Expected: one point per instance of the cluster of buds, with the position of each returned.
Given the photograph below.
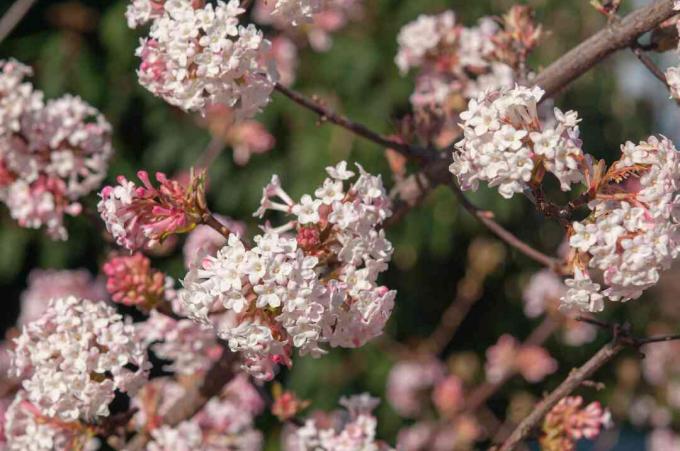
(506, 144)
(327, 432)
(631, 234)
(132, 281)
(508, 356)
(457, 63)
(198, 55)
(317, 286)
(569, 421)
(51, 154)
(75, 356)
(141, 216)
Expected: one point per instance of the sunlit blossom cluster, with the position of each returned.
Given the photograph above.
(197, 55)
(308, 282)
(505, 142)
(569, 421)
(75, 356)
(353, 431)
(51, 153)
(631, 235)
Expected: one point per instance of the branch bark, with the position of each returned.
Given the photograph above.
(13, 16)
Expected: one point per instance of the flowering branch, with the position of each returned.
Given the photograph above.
(622, 339)
(325, 114)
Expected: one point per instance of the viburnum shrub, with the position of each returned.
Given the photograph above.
(162, 353)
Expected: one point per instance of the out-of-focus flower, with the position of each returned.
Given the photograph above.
(569, 422)
(409, 383)
(508, 356)
(47, 284)
(286, 404)
(663, 440)
(448, 396)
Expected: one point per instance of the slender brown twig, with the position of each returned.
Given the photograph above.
(13, 16)
(325, 114)
(210, 220)
(650, 65)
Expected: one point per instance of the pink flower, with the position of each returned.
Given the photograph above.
(248, 138)
(569, 422)
(204, 241)
(139, 216)
(132, 281)
(534, 363)
(508, 356)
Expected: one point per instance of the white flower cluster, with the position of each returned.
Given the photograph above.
(75, 356)
(196, 56)
(504, 142)
(448, 54)
(356, 432)
(632, 233)
(51, 154)
(318, 287)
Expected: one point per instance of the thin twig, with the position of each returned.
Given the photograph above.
(325, 114)
(13, 16)
(485, 218)
(211, 221)
(650, 65)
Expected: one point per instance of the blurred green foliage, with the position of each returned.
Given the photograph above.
(84, 47)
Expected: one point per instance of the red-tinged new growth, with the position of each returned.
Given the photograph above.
(132, 281)
(569, 422)
(140, 216)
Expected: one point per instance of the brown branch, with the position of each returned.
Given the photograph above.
(358, 129)
(485, 218)
(571, 383)
(211, 221)
(616, 36)
(13, 16)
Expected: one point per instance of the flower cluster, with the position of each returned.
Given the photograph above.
(506, 144)
(225, 422)
(355, 432)
(198, 55)
(204, 241)
(457, 63)
(569, 422)
(75, 356)
(51, 154)
(508, 356)
(631, 234)
(47, 284)
(132, 281)
(141, 216)
(304, 290)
